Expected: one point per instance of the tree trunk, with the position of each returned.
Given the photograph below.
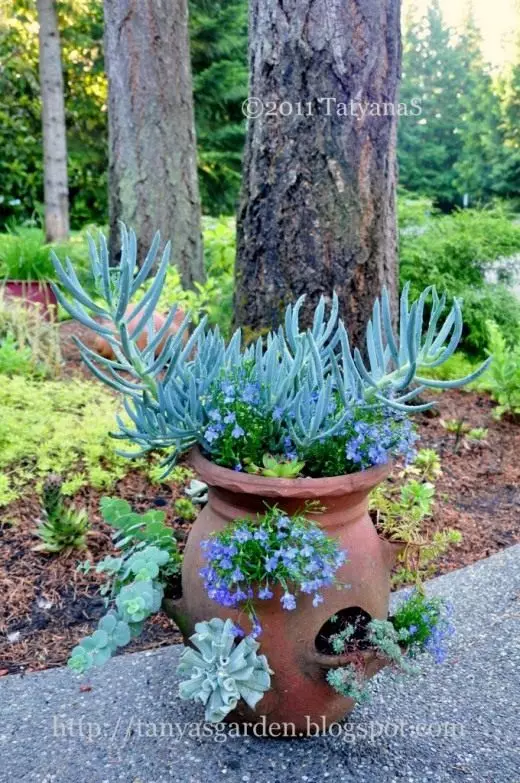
(56, 189)
(317, 211)
(152, 149)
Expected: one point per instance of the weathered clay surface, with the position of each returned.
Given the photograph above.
(300, 691)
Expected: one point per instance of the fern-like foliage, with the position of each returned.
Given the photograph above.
(168, 390)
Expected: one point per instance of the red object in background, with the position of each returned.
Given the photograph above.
(34, 292)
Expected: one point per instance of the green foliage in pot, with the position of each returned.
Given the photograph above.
(420, 624)
(294, 390)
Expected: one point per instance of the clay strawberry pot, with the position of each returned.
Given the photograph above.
(300, 694)
(37, 293)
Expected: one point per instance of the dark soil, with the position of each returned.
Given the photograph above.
(48, 605)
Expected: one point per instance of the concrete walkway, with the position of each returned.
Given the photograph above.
(456, 722)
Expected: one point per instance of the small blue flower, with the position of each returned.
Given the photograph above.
(317, 600)
(264, 593)
(212, 433)
(229, 391)
(229, 418)
(237, 431)
(250, 393)
(288, 601)
(277, 413)
(260, 535)
(242, 535)
(238, 467)
(215, 415)
(257, 629)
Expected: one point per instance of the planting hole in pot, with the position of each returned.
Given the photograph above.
(354, 616)
(173, 588)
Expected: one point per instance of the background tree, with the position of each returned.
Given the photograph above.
(317, 211)
(152, 150)
(431, 144)
(480, 119)
(220, 75)
(507, 171)
(56, 190)
(21, 162)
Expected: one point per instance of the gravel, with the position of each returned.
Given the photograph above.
(456, 722)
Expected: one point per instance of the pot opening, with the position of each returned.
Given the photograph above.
(353, 616)
(173, 589)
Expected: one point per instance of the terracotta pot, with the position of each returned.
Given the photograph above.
(300, 693)
(35, 292)
(103, 347)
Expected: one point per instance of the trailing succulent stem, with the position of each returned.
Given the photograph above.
(136, 580)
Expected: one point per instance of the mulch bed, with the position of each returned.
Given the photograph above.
(48, 605)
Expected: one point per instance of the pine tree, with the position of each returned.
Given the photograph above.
(507, 171)
(218, 32)
(430, 145)
(481, 118)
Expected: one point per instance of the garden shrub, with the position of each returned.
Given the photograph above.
(29, 344)
(58, 427)
(502, 379)
(414, 212)
(214, 297)
(454, 253)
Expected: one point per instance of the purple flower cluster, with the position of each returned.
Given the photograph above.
(248, 558)
(440, 632)
(374, 443)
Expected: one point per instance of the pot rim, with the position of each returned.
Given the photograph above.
(308, 488)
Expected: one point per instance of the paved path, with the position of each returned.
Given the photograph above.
(457, 722)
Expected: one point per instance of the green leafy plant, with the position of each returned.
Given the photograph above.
(400, 508)
(420, 624)
(503, 377)
(427, 464)
(249, 558)
(464, 432)
(61, 427)
(185, 509)
(478, 434)
(136, 580)
(454, 253)
(134, 531)
(23, 256)
(349, 681)
(302, 385)
(29, 344)
(276, 467)
(63, 529)
(15, 360)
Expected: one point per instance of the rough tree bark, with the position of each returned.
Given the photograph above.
(56, 189)
(317, 210)
(152, 149)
